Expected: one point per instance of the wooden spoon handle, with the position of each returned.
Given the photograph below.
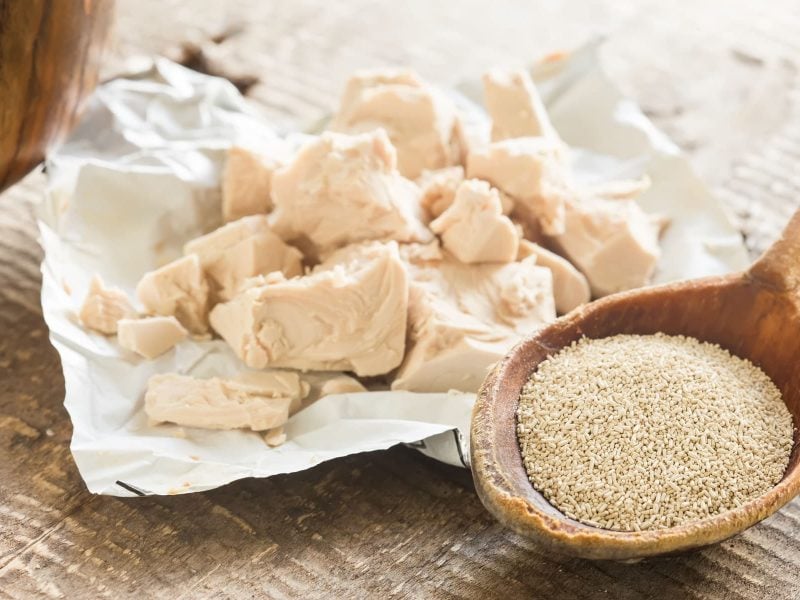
(779, 266)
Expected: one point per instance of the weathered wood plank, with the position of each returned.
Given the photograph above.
(720, 77)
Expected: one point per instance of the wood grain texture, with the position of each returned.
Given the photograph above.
(49, 61)
(720, 77)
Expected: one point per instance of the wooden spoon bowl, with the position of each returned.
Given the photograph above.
(754, 315)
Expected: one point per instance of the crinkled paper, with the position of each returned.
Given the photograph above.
(140, 176)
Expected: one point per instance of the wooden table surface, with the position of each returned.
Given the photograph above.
(721, 77)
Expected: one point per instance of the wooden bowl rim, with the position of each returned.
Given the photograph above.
(507, 501)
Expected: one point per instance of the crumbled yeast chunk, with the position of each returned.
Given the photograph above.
(365, 79)
(570, 287)
(474, 229)
(242, 249)
(275, 437)
(439, 189)
(150, 337)
(464, 318)
(613, 242)
(277, 383)
(217, 403)
(421, 121)
(246, 183)
(341, 384)
(177, 289)
(349, 314)
(532, 172)
(514, 106)
(422, 253)
(341, 189)
(104, 307)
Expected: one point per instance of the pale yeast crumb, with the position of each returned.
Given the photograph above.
(349, 314)
(150, 337)
(613, 242)
(464, 318)
(570, 286)
(474, 229)
(515, 107)
(243, 249)
(342, 189)
(532, 172)
(104, 307)
(217, 403)
(177, 289)
(246, 184)
(420, 120)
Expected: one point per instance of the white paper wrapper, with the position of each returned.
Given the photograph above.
(139, 177)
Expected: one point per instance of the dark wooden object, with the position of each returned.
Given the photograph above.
(49, 63)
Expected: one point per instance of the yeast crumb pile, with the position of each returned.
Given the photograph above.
(646, 432)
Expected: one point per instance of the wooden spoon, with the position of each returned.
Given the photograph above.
(755, 315)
